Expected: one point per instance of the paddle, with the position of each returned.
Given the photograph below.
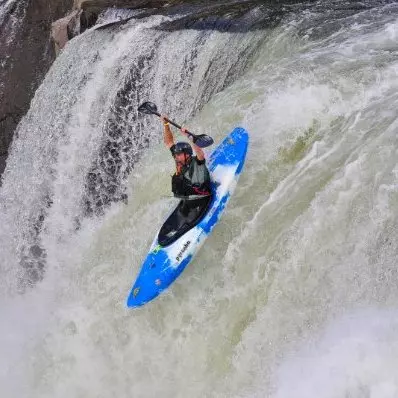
(201, 140)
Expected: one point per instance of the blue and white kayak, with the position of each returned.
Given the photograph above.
(166, 261)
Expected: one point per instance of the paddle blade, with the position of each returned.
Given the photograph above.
(202, 140)
(149, 108)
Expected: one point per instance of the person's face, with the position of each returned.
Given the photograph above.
(180, 158)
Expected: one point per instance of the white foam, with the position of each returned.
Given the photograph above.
(305, 241)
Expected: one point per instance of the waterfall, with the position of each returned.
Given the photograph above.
(295, 292)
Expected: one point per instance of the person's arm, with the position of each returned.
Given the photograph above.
(200, 155)
(167, 134)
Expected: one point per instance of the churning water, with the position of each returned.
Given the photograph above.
(294, 294)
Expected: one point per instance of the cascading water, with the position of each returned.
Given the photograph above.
(78, 149)
(294, 294)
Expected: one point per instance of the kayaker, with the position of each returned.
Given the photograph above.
(191, 181)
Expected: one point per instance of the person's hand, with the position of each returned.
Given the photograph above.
(186, 133)
(164, 119)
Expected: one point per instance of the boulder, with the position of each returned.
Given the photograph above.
(64, 29)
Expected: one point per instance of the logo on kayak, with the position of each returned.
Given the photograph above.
(183, 250)
(136, 291)
(157, 249)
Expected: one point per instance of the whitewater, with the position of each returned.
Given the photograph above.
(295, 292)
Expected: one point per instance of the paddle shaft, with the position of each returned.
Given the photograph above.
(202, 140)
(174, 124)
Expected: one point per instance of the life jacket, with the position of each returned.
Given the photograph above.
(192, 182)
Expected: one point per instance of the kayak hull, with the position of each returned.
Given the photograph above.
(163, 265)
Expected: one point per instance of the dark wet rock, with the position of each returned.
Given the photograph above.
(26, 54)
(89, 10)
(230, 16)
(98, 5)
(200, 14)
